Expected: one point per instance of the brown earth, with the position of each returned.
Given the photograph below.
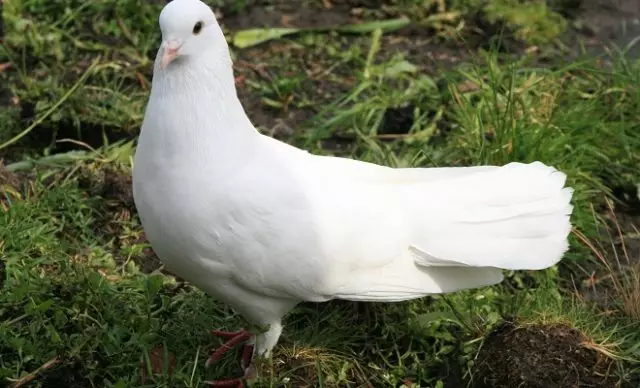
(541, 356)
(8, 178)
(618, 243)
(9, 183)
(114, 187)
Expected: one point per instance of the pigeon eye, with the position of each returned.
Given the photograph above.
(197, 28)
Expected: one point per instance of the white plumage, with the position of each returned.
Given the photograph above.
(262, 225)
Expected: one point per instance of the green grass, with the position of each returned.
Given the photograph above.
(80, 305)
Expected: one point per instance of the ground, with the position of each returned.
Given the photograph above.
(514, 356)
(85, 302)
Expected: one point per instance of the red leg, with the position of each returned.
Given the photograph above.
(232, 338)
(247, 355)
(227, 383)
(228, 334)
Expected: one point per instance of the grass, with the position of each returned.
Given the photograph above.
(85, 303)
(622, 268)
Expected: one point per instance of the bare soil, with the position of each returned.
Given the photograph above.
(622, 252)
(114, 187)
(540, 356)
(10, 183)
(609, 22)
(9, 179)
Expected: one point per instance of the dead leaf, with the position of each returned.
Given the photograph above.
(467, 86)
(285, 20)
(239, 80)
(156, 358)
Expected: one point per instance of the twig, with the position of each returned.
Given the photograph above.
(28, 378)
(55, 106)
(61, 158)
(259, 69)
(125, 31)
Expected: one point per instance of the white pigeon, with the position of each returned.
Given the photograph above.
(262, 225)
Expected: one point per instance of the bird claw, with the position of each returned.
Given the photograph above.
(232, 338)
(247, 355)
(226, 383)
(228, 334)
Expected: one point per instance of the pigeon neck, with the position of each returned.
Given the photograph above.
(203, 94)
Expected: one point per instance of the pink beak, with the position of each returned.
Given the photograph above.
(170, 52)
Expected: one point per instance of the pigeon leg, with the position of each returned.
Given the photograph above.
(232, 338)
(247, 356)
(227, 383)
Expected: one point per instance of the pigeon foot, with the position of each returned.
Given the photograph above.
(233, 338)
(227, 383)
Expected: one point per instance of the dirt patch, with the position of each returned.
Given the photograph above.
(419, 48)
(288, 15)
(606, 18)
(280, 124)
(305, 69)
(48, 133)
(297, 13)
(70, 375)
(630, 228)
(8, 178)
(110, 184)
(114, 187)
(629, 200)
(540, 356)
(115, 207)
(55, 373)
(158, 360)
(603, 23)
(613, 288)
(10, 183)
(147, 260)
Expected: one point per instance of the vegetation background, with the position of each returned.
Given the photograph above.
(84, 302)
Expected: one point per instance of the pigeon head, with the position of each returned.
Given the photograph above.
(189, 29)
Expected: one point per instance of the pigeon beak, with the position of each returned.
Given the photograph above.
(171, 48)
